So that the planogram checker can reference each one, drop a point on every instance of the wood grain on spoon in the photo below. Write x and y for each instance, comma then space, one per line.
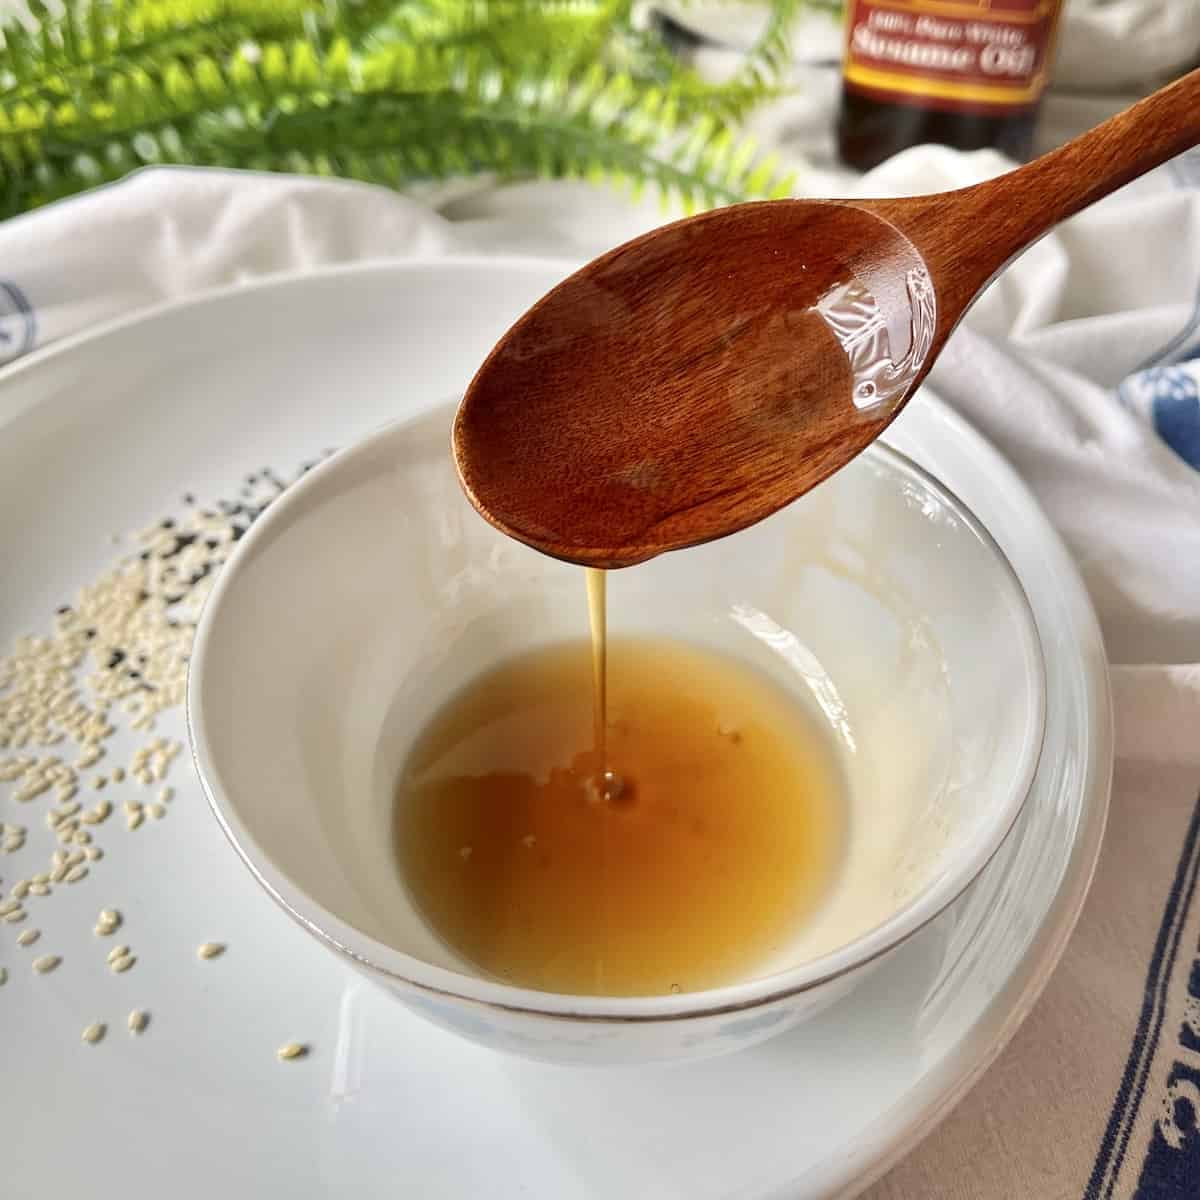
697, 379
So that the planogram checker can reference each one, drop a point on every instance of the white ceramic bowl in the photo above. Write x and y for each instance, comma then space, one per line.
371, 591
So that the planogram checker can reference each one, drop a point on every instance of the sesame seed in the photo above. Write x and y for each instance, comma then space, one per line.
121, 965
120, 646
138, 1021
290, 1051
46, 963
110, 917
210, 950
95, 816
32, 789
94, 1033
29, 937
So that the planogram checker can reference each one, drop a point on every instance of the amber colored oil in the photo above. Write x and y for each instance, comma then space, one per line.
724, 836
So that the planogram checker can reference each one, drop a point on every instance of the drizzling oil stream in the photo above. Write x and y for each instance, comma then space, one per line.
607, 783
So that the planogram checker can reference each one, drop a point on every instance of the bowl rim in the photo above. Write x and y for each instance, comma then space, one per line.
398, 968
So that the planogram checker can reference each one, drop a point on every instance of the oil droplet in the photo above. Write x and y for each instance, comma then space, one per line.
611, 789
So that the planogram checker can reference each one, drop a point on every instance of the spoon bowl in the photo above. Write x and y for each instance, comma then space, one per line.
809, 363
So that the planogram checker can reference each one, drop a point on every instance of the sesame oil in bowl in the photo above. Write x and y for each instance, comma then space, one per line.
667, 832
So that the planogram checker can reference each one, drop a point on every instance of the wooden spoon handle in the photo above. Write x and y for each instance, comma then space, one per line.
1089, 167
972, 234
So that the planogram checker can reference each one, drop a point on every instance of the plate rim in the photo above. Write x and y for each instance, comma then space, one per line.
934, 1096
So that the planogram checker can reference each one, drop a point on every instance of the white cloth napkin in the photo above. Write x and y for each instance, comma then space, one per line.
1082, 363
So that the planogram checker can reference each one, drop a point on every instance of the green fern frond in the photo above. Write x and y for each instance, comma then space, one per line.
69, 55
389, 91
549, 136
565, 35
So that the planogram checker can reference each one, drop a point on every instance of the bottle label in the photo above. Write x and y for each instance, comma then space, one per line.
962, 55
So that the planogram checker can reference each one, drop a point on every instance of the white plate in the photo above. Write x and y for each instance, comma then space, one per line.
102, 435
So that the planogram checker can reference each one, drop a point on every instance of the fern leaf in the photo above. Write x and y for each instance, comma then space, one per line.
391, 91
89, 40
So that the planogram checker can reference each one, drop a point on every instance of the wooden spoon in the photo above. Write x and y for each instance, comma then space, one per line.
698, 378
